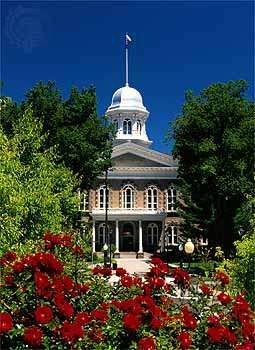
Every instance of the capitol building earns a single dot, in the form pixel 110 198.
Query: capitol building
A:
pixel 142 193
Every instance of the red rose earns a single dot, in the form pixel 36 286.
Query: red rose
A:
pixel 100 315
pixel 189 321
pixel 185 340
pixel 33 336
pixel 224 298
pixel 156 282
pixel 96 335
pixel 82 318
pixel 67 282
pixel 101 270
pixel 43 314
pixel 214 320
pixel 120 272
pixel 245 346
pixel 215 334
pixel 156 323
pixel 71 332
pixel 41 280
pixel 132 322
pixel 9 280
pixel 6 322
pixel 181 277
pixel 66 309
pixel 229 336
pixel 222 277
pixel 10 256
pixel 205 289
pixel 77 250
pixel 156 261
pixel 82 288
pixel 18 267
pixel 146 343
pixel 248 331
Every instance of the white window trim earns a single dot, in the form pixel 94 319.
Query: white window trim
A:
pixel 171 236
pixel 151 240
pixel 124 197
pixel 151 188
pixel 171 203
pixel 85 203
pixel 127 125
pixel 104 197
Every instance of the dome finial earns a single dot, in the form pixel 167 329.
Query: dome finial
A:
pixel 128 40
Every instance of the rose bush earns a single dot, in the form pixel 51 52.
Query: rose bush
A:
pixel 46 306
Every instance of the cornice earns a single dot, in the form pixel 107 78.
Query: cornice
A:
pixel 130 147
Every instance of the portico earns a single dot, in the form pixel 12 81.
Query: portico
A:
pixel 130 229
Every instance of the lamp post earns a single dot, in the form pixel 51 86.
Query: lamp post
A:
pixel 189 249
pixel 181 256
pixel 106 212
pixel 105 248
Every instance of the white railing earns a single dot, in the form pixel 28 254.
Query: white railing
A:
pixel 131 211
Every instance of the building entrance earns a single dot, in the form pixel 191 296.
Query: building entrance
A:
pixel 127 241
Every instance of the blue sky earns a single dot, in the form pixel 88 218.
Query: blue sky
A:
pixel 176 46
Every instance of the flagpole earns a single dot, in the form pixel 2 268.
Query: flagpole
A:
pixel 126 61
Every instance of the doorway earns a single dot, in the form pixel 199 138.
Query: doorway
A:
pixel 127 237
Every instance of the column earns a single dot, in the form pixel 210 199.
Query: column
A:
pixel 117 240
pixel 140 252
pixel 94 237
pixel 162 245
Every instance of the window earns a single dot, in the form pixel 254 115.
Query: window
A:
pixel 139 127
pixel 171 199
pixel 152 234
pixel 128 197
pixel 127 127
pixel 152 198
pixel 173 235
pixel 101 234
pixel 102 197
pixel 116 125
pixel 83 201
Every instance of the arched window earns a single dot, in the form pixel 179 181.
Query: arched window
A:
pixel 171 198
pixel 128 197
pixel 102 197
pixel 127 127
pixel 152 197
pixel 173 235
pixel 152 234
pixel 83 201
pixel 139 127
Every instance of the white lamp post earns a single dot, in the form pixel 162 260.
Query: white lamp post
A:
pixel 189 249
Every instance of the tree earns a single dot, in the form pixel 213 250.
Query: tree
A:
pixel 83 139
pixel 36 190
pixel 214 146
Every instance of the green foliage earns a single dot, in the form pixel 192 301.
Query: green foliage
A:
pixel 36 190
pixel 242 268
pixel 83 139
pixel 214 146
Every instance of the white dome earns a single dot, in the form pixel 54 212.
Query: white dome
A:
pixel 127 98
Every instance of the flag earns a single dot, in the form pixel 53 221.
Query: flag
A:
pixel 128 39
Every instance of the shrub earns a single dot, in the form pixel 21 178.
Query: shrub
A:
pixel 242 268
pixel 46 305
